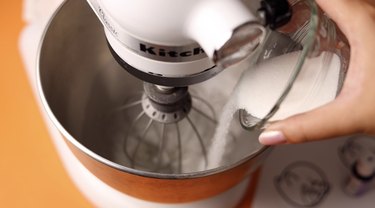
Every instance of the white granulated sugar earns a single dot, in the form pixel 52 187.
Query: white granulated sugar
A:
pixel 261 86
pixel 220 140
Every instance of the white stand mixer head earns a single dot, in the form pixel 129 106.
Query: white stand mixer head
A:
pixel 190 40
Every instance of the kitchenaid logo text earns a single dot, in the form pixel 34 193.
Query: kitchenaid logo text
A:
pixel 162 52
pixel 106 22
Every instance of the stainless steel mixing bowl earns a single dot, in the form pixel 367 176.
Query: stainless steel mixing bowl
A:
pixel 80 84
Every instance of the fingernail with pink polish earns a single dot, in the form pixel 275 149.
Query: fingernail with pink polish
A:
pixel 272 138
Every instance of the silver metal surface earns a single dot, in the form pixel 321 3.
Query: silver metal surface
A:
pixel 82 87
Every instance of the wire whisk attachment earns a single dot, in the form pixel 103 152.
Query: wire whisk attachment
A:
pixel 169 130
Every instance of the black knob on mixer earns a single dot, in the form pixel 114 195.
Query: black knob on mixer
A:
pixel 276 13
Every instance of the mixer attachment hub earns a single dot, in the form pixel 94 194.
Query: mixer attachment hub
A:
pixel 166 104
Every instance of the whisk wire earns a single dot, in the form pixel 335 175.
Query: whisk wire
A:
pixel 207 104
pixel 140 141
pixel 132 125
pixel 203 148
pixel 179 146
pixel 129 105
pixel 161 147
pixel 204 115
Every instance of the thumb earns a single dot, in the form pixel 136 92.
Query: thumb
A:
pixel 335 118
pixel 331 120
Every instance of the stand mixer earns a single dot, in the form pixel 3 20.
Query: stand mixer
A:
pixel 146 131
pixel 170 47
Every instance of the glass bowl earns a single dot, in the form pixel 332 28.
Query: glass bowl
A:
pixel 301 66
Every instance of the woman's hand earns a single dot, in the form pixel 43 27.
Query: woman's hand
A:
pixel 353 111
